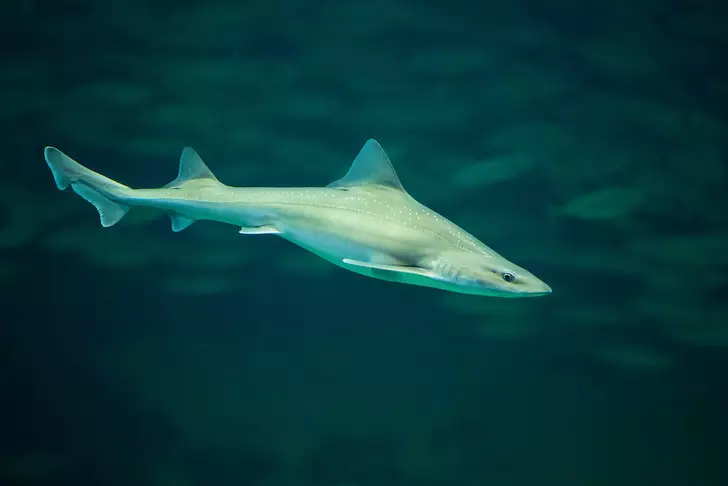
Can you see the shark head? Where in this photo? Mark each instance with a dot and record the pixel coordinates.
(484, 274)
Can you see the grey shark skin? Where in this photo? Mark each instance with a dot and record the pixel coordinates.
(365, 222)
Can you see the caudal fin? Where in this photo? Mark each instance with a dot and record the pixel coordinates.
(110, 212)
(65, 170)
(95, 188)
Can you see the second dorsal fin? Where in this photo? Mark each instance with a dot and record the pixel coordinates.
(191, 167)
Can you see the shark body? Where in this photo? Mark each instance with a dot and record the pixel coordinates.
(365, 222)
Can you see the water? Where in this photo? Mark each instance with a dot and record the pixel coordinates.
(585, 143)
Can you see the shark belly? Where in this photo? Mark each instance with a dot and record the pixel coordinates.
(338, 234)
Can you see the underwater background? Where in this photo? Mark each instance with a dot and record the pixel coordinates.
(587, 142)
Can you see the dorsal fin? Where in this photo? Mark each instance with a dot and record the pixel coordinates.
(191, 167)
(370, 167)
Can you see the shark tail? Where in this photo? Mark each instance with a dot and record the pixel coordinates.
(103, 193)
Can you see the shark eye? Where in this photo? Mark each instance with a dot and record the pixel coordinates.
(508, 277)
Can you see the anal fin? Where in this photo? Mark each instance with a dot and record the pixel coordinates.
(259, 230)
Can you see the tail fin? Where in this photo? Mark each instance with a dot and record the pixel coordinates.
(110, 212)
(93, 187)
(64, 168)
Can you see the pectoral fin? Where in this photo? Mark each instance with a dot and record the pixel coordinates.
(389, 272)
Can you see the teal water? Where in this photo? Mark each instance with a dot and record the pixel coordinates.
(587, 143)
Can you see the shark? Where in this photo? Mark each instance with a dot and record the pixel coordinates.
(365, 222)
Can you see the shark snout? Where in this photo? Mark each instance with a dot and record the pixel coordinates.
(539, 288)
